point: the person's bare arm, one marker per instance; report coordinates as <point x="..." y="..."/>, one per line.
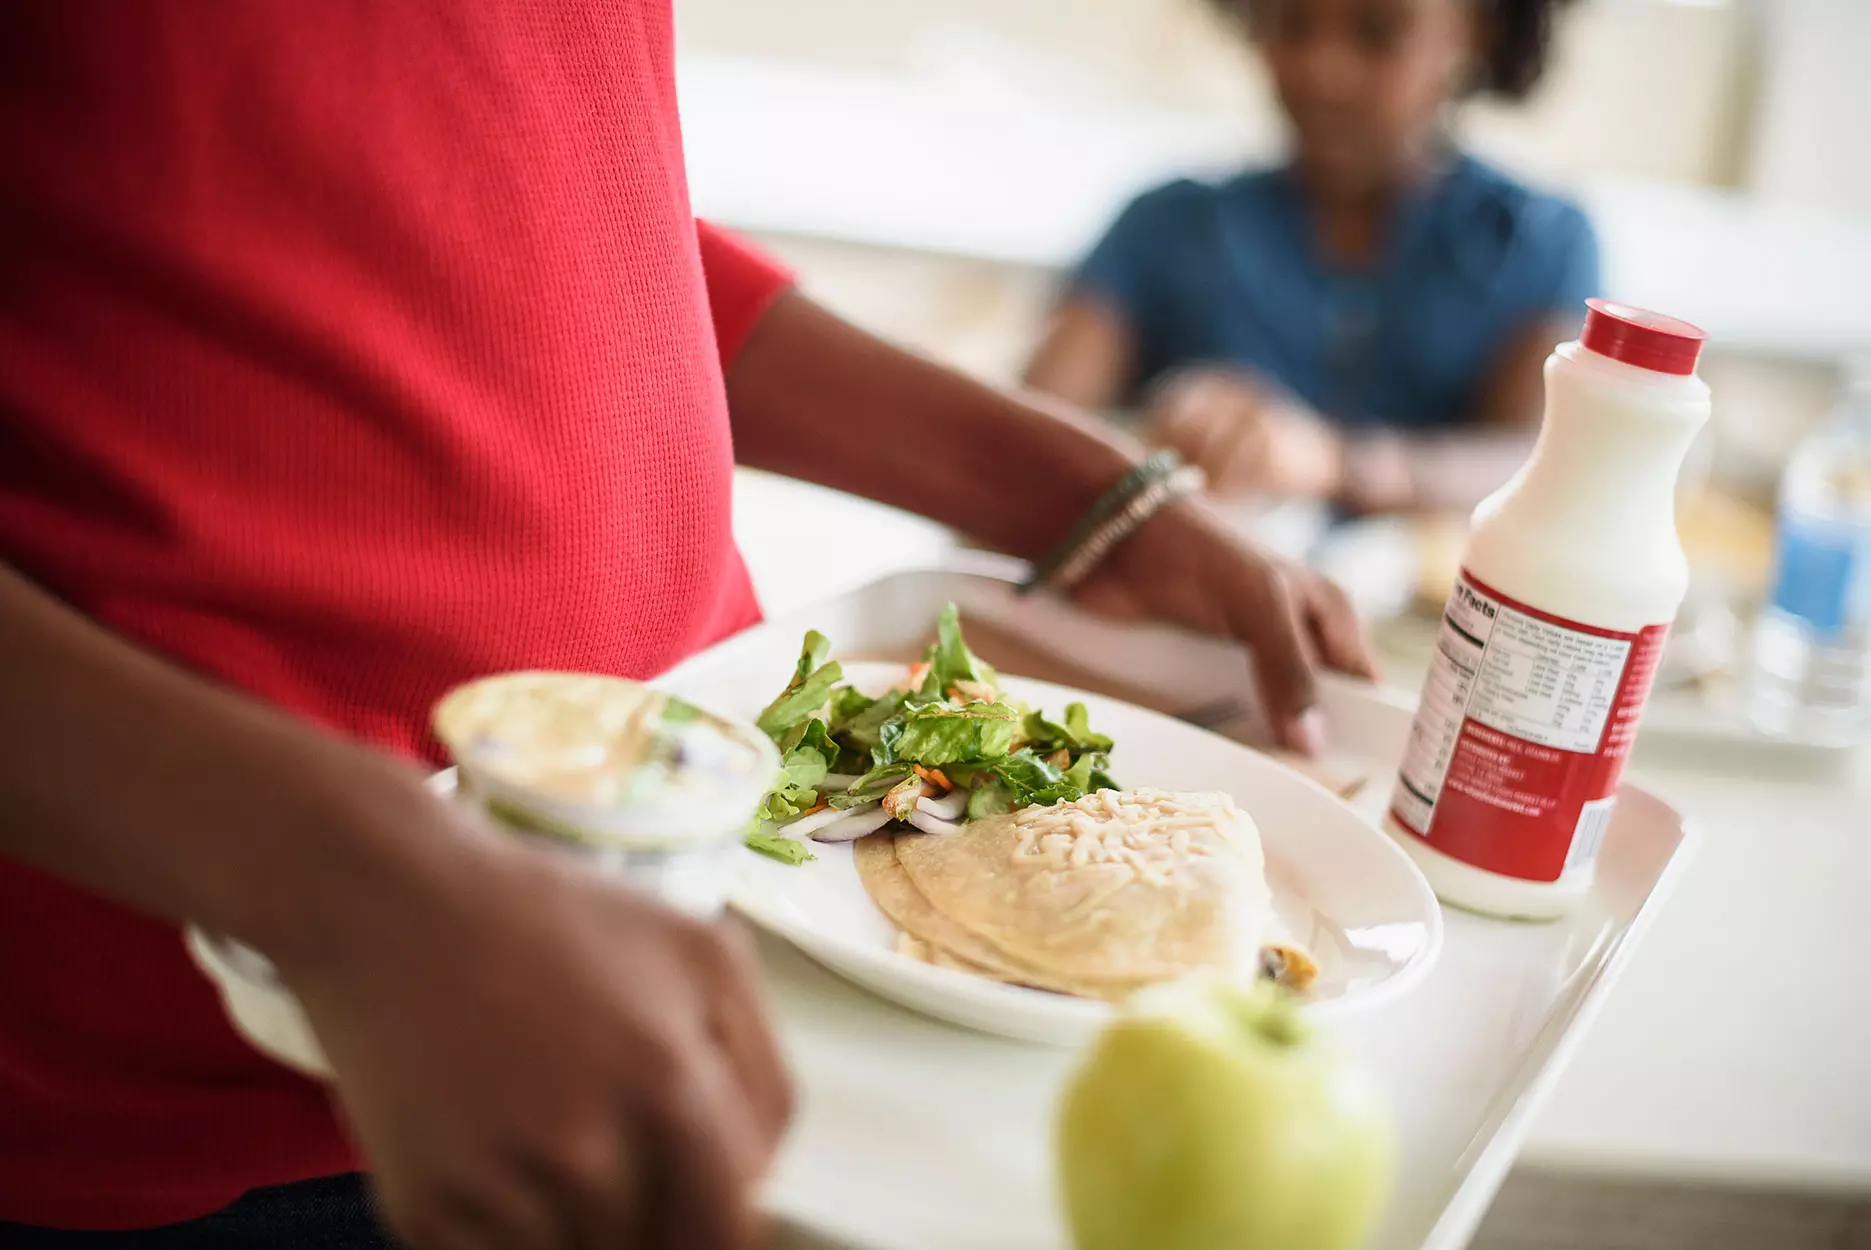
<point x="1253" y="437"/>
<point x="1087" y="356"/>
<point x="813" y="397"/>
<point x="128" y="776"/>
<point x="1514" y="392"/>
<point x="1455" y="471"/>
<point x="513" y="1037"/>
<point x="816" y="398"/>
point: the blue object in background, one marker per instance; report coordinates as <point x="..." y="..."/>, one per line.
<point x="1231" y="273"/>
<point x="1810" y="660"/>
<point x="1822" y="572"/>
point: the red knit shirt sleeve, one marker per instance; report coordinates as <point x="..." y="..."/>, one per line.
<point x="743" y="282"/>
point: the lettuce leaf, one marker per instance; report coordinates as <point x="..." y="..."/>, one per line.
<point x="864" y="730"/>
<point x="1028" y="778"/>
<point x="1078" y="725"/>
<point x="942" y="733"/>
<point x="871" y="786"/>
<point x="991" y="799"/>
<point x="848" y="702"/>
<point x="786" y="802"/>
<point x="1075" y="734"/>
<point x="811" y="686"/>
<point x="950" y="661"/>
<point x="808" y="753"/>
<point x="1042" y="735"/>
<point x="777" y="846"/>
<point x="956" y="719"/>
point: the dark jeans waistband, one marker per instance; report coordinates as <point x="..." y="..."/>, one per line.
<point x="330" y="1213"/>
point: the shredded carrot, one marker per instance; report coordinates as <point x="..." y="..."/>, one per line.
<point x="1060" y="758"/>
<point x="819" y="806"/>
<point x="935" y="777"/>
<point x="917" y="672"/>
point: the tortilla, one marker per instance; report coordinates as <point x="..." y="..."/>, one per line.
<point x="1115" y="889"/>
<point x="896" y="897"/>
<point x="929" y="936"/>
<point x="922" y="952"/>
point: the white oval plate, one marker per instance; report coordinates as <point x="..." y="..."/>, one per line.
<point x="1343" y="889"/>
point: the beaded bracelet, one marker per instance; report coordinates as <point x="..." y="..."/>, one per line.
<point x="1143" y="492"/>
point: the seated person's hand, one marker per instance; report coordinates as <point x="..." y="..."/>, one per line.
<point x="1244" y="436"/>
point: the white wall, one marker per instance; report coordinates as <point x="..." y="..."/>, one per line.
<point x="1653" y="88"/>
<point x="1812" y="138"/>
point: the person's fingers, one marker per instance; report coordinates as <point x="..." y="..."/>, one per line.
<point x="598" y="1186"/>
<point x="739" y="1024"/>
<point x="1177" y="418"/>
<point x="1270" y="619"/>
<point x="1338" y="636"/>
<point x="703" y="1183"/>
<point x="1204" y="419"/>
<point x="1241" y="459"/>
<point x="1227" y="444"/>
<point x="1168" y="407"/>
<point x="1224" y="434"/>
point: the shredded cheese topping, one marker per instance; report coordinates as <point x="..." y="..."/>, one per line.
<point x="1146" y="831"/>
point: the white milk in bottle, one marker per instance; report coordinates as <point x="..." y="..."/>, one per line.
<point x="1571" y="577"/>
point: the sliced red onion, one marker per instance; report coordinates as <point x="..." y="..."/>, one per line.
<point x="821" y="818"/>
<point x="930" y="823"/>
<point x="855" y="824"/>
<point x="950" y="806"/>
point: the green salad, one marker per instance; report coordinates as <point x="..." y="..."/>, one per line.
<point x="946" y="746"/>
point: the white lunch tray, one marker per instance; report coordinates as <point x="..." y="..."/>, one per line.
<point x="916" y="1135"/>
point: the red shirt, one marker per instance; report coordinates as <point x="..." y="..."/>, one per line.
<point x="347" y="351"/>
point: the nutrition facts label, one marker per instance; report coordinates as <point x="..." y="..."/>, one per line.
<point x="1524" y="724"/>
<point x="1547" y="684"/>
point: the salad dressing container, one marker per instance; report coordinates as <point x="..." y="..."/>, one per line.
<point x="648" y="787"/>
<point x="1571" y="577"/>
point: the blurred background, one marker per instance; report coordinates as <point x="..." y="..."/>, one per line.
<point x="931" y="167"/>
<point x="935" y="169"/>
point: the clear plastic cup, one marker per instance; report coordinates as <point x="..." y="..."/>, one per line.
<point x="652" y="789"/>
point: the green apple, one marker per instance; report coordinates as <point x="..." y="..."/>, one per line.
<point x="1210" y="1116"/>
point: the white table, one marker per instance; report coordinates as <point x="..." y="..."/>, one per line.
<point x="1735" y="1048"/>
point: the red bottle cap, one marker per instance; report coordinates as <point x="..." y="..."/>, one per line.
<point x="1645" y="339"/>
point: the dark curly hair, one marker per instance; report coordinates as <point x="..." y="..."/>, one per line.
<point x="1516" y="38"/>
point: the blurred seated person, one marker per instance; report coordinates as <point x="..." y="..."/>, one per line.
<point x="1365" y="324"/>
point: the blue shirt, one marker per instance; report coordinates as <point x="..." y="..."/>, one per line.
<point x="1230" y="273"/>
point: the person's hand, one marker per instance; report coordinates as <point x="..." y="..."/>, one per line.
<point x="533" y="1056"/>
<point x="1246" y="440"/>
<point x="1187" y="566"/>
